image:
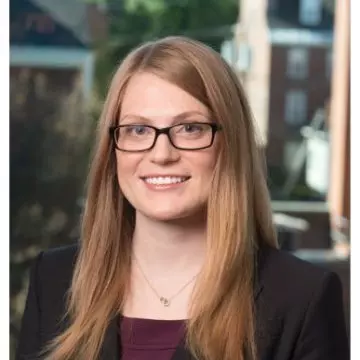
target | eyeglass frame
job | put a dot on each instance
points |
(166, 130)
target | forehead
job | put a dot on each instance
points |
(147, 95)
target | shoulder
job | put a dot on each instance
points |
(60, 256)
(57, 262)
(52, 272)
(301, 304)
(50, 280)
(289, 285)
(284, 268)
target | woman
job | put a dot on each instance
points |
(178, 256)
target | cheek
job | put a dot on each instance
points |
(205, 166)
(126, 165)
(126, 162)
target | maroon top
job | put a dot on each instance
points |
(148, 339)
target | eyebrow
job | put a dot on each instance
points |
(179, 117)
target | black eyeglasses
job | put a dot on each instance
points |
(186, 136)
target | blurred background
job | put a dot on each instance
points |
(292, 58)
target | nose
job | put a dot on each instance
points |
(163, 152)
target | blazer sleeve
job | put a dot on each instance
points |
(29, 340)
(323, 335)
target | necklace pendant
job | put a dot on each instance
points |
(164, 301)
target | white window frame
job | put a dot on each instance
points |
(298, 63)
(296, 107)
(56, 58)
(291, 147)
(310, 12)
(237, 55)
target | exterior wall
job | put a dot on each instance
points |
(259, 87)
(57, 81)
(55, 58)
(98, 23)
(266, 81)
(316, 85)
(256, 81)
(43, 35)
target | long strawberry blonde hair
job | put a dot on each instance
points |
(221, 324)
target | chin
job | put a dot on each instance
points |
(172, 214)
(166, 216)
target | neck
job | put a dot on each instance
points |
(170, 246)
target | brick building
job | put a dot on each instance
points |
(293, 58)
(53, 40)
(284, 53)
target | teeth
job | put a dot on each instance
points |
(165, 180)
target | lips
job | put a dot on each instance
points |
(165, 179)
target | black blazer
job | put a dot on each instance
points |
(299, 309)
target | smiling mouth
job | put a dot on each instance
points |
(165, 180)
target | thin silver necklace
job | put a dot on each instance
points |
(166, 301)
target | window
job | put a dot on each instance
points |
(272, 6)
(297, 66)
(328, 64)
(243, 58)
(236, 55)
(310, 12)
(296, 107)
(228, 51)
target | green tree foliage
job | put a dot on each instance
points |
(135, 21)
(51, 135)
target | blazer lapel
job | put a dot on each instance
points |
(268, 324)
(110, 349)
(259, 268)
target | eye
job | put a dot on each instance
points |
(136, 130)
(193, 128)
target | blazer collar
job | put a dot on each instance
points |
(111, 348)
(260, 262)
